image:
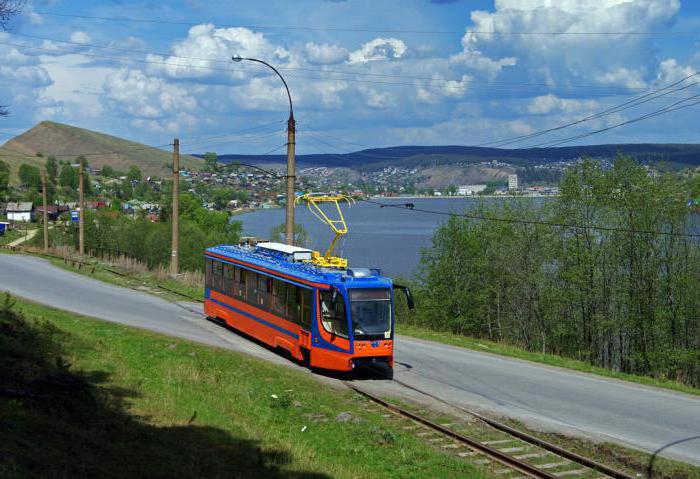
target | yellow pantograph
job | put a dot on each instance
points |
(336, 223)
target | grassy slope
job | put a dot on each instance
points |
(14, 160)
(550, 359)
(147, 282)
(59, 139)
(120, 402)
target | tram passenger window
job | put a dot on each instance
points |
(209, 267)
(228, 278)
(252, 287)
(333, 315)
(263, 293)
(218, 275)
(306, 307)
(293, 303)
(279, 297)
(235, 279)
(242, 283)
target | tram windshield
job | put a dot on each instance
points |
(370, 313)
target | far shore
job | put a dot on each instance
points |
(458, 197)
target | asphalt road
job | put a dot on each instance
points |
(542, 396)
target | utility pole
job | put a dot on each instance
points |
(81, 212)
(46, 215)
(291, 178)
(176, 208)
(291, 142)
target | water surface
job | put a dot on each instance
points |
(385, 238)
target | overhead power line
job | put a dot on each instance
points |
(668, 109)
(653, 95)
(326, 70)
(369, 30)
(411, 207)
(318, 74)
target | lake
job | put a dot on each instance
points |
(385, 238)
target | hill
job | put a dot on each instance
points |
(429, 156)
(67, 142)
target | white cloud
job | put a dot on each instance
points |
(80, 37)
(546, 104)
(376, 99)
(209, 50)
(671, 71)
(141, 96)
(379, 49)
(324, 54)
(565, 59)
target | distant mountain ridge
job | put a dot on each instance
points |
(68, 142)
(680, 154)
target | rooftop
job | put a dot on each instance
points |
(279, 262)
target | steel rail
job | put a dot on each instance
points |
(584, 461)
(501, 457)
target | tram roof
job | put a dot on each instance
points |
(351, 277)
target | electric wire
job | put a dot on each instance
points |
(411, 207)
(449, 85)
(668, 109)
(622, 90)
(368, 30)
(653, 95)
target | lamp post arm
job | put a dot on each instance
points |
(291, 109)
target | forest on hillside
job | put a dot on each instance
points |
(608, 273)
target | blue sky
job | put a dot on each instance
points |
(362, 72)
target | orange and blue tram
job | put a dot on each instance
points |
(329, 318)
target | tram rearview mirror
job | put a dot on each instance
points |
(409, 296)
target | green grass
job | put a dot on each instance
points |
(549, 359)
(10, 236)
(149, 283)
(114, 401)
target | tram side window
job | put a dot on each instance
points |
(293, 303)
(264, 291)
(279, 297)
(242, 283)
(218, 275)
(306, 307)
(207, 276)
(333, 315)
(228, 278)
(252, 287)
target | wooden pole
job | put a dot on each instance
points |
(46, 214)
(291, 177)
(81, 213)
(174, 267)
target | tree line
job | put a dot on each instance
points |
(624, 298)
(109, 233)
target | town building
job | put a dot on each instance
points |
(512, 182)
(20, 212)
(469, 190)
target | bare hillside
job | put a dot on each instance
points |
(68, 142)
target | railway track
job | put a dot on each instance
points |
(505, 451)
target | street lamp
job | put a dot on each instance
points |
(291, 176)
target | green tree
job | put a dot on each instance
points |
(221, 197)
(68, 177)
(134, 173)
(211, 161)
(29, 176)
(52, 169)
(599, 286)
(108, 171)
(4, 179)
